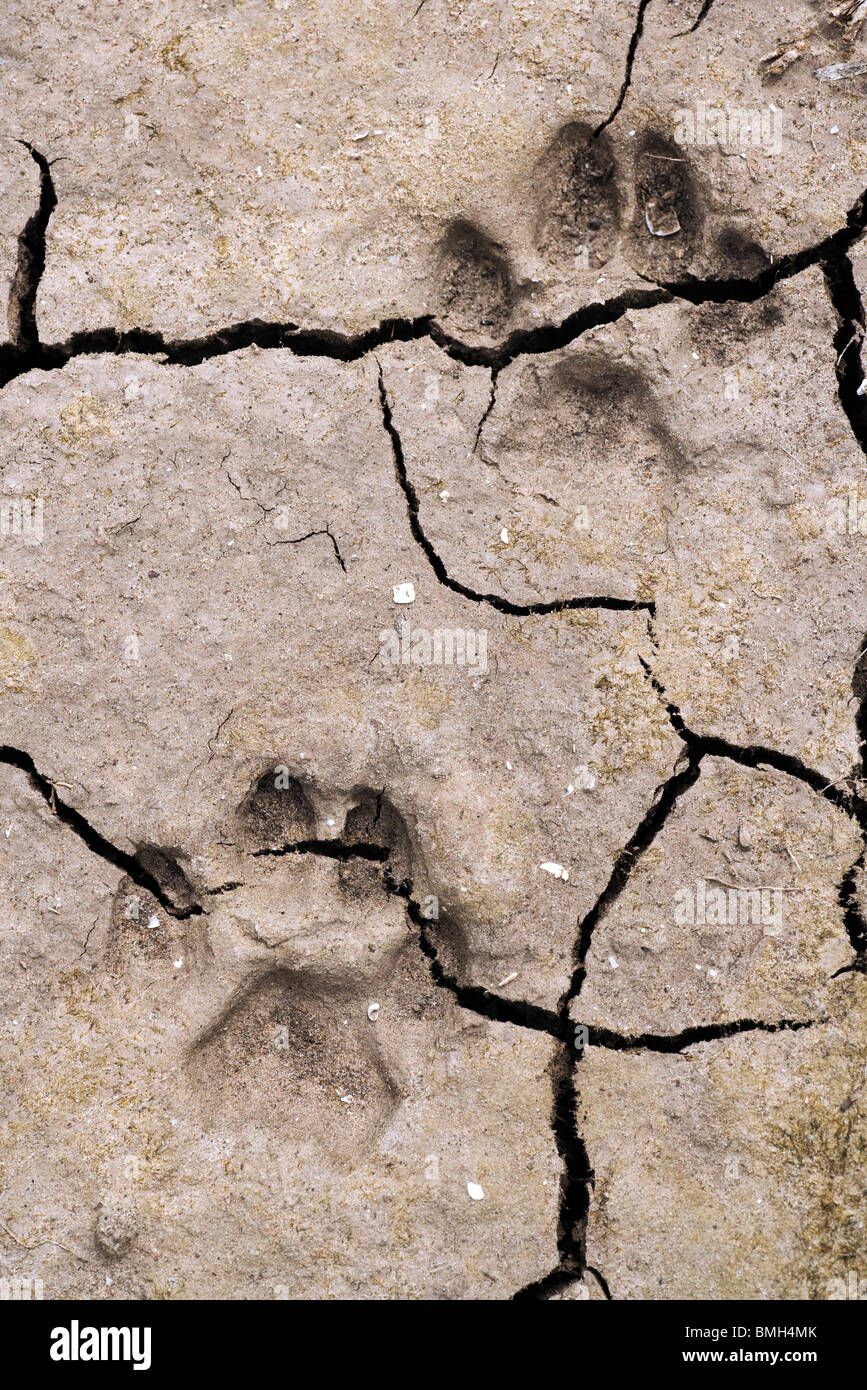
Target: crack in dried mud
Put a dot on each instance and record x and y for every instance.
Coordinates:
(18, 357)
(698, 21)
(25, 352)
(503, 605)
(129, 864)
(634, 41)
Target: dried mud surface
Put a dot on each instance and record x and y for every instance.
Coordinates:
(433, 693)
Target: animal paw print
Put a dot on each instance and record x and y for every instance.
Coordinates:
(593, 198)
(279, 970)
(580, 198)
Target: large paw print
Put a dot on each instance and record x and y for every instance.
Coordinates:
(284, 964)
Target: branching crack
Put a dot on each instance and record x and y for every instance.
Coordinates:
(503, 605)
(323, 531)
(843, 796)
(25, 352)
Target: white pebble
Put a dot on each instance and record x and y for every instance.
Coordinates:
(504, 536)
(613, 963)
(556, 869)
(475, 1191)
(153, 923)
(404, 593)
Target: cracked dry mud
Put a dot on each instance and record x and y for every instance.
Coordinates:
(308, 305)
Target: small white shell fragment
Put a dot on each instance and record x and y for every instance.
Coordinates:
(373, 1012)
(507, 980)
(153, 923)
(504, 536)
(444, 495)
(584, 778)
(862, 388)
(404, 593)
(556, 869)
(476, 1191)
(179, 962)
(347, 1100)
(613, 963)
(570, 789)
(660, 218)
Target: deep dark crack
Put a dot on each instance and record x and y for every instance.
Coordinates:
(848, 341)
(21, 312)
(129, 864)
(25, 352)
(699, 20)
